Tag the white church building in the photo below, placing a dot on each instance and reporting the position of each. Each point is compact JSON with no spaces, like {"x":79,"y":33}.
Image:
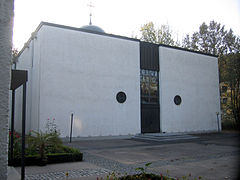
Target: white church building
{"x":115,"y":85}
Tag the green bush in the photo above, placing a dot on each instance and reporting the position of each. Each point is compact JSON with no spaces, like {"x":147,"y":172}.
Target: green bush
{"x":43,"y":143}
{"x":42,"y":148}
{"x":51,"y":158}
{"x":145,"y":177}
{"x":17,"y":146}
{"x":229,"y":125}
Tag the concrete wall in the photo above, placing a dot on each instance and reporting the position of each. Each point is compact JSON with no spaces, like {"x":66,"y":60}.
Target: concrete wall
{"x":82,"y":73}
{"x":195,"y":78}
{"x":6,"y":24}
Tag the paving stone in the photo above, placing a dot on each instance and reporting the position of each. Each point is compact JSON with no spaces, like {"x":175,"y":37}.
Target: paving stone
{"x":71,"y":174}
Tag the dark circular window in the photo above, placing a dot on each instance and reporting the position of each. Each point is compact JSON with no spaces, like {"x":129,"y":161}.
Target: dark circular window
{"x":177,"y":100}
{"x":121,"y":97}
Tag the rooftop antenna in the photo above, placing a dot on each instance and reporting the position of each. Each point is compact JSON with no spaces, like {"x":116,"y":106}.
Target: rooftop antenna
{"x":90,"y":6}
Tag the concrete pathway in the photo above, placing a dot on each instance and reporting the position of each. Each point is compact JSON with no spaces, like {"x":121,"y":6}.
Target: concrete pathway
{"x":211,"y":156}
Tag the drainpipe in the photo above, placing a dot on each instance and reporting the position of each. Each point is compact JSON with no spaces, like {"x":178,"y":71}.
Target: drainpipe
{"x":217,"y":113}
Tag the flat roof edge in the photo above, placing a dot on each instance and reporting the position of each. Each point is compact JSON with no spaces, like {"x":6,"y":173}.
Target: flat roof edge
{"x":85,"y":30}
{"x":189,"y":50}
{"x":26,"y":45}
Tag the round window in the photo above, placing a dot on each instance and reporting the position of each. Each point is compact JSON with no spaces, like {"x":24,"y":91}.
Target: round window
{"x":121,"y":97}
{"x":177,"y":100}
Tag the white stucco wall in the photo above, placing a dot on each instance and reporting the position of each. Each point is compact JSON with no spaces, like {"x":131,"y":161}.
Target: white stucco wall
{"x":29,"y":60}
{"x":82,"y":73}
{"x":195,"y":78}
{"x":24,"y":63}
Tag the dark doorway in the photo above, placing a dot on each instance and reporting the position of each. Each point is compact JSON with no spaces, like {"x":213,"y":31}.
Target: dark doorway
{"x":150,"y":120}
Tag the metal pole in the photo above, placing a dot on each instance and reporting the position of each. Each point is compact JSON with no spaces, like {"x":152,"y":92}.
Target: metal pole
{"x":23,"y":132}
{"x":218,"y":121}
{"x":71,"y":128}
{"x":12,"y":126}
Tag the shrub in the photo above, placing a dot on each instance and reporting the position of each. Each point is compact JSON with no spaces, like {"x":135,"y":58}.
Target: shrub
{"x":43,"y":143}
{"x":51,"y":158}
{"x":17,"y":144}
{"x":229,"y":125}
{"x":42,"y":148}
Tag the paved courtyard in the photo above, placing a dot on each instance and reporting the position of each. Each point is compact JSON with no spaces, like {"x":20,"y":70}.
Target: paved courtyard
{"x":211,"y":156}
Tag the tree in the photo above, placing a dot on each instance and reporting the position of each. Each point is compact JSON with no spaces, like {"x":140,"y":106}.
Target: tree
{"x":162,"y":35}
{"x":149,"y":33}
{"x":165,"y":35}
{"x":231,"y":75}
{"x":212,"y":39}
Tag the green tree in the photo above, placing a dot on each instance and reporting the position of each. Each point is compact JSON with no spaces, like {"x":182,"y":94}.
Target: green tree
{"x":149,"y":33}
{"x":231,"y":76}
{"x":212,"y":39}
{"x":162,"y":35}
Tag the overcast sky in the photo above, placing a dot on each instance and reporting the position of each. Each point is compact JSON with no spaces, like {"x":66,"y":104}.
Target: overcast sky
{"x":124,"y":17}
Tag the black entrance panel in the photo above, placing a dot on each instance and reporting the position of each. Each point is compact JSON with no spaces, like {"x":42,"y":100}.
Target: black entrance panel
{"x":149,"y":56}
{"x":150,"y":120}
{"x":149,"y":82}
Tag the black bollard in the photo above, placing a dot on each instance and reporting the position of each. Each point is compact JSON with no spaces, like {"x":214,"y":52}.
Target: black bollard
{"x":71,"y":128}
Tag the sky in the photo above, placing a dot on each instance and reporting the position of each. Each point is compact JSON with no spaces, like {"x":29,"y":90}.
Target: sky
{"x":124,"y":17}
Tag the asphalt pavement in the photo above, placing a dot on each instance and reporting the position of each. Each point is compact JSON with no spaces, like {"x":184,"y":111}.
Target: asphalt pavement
{"x":212,"y":156}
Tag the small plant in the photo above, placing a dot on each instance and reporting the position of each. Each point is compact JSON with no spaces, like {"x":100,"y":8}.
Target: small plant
{"x":17,"y":140}
{"x":66,"y":174}
{"x":51,"y":126}
{"x":113,"y":176}
{"x":143,"y":170}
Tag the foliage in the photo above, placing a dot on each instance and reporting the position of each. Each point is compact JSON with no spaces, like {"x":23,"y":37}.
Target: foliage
{"x":150,"y":176}
{"x":229,"y":125}
{"x":43,"y":143}
{"x":75,"y":155}
{"x":42,"y":148}
{"x":162,"y":35}
{"x":143,"y":170}
{"x":147,"y":176}
{"x":17,"y":148}
{"x":230,"y":74}
{"x":212,"y":39}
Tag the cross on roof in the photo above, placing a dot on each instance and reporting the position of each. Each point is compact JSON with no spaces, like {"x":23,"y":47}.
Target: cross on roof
{"x":90,"y":6}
